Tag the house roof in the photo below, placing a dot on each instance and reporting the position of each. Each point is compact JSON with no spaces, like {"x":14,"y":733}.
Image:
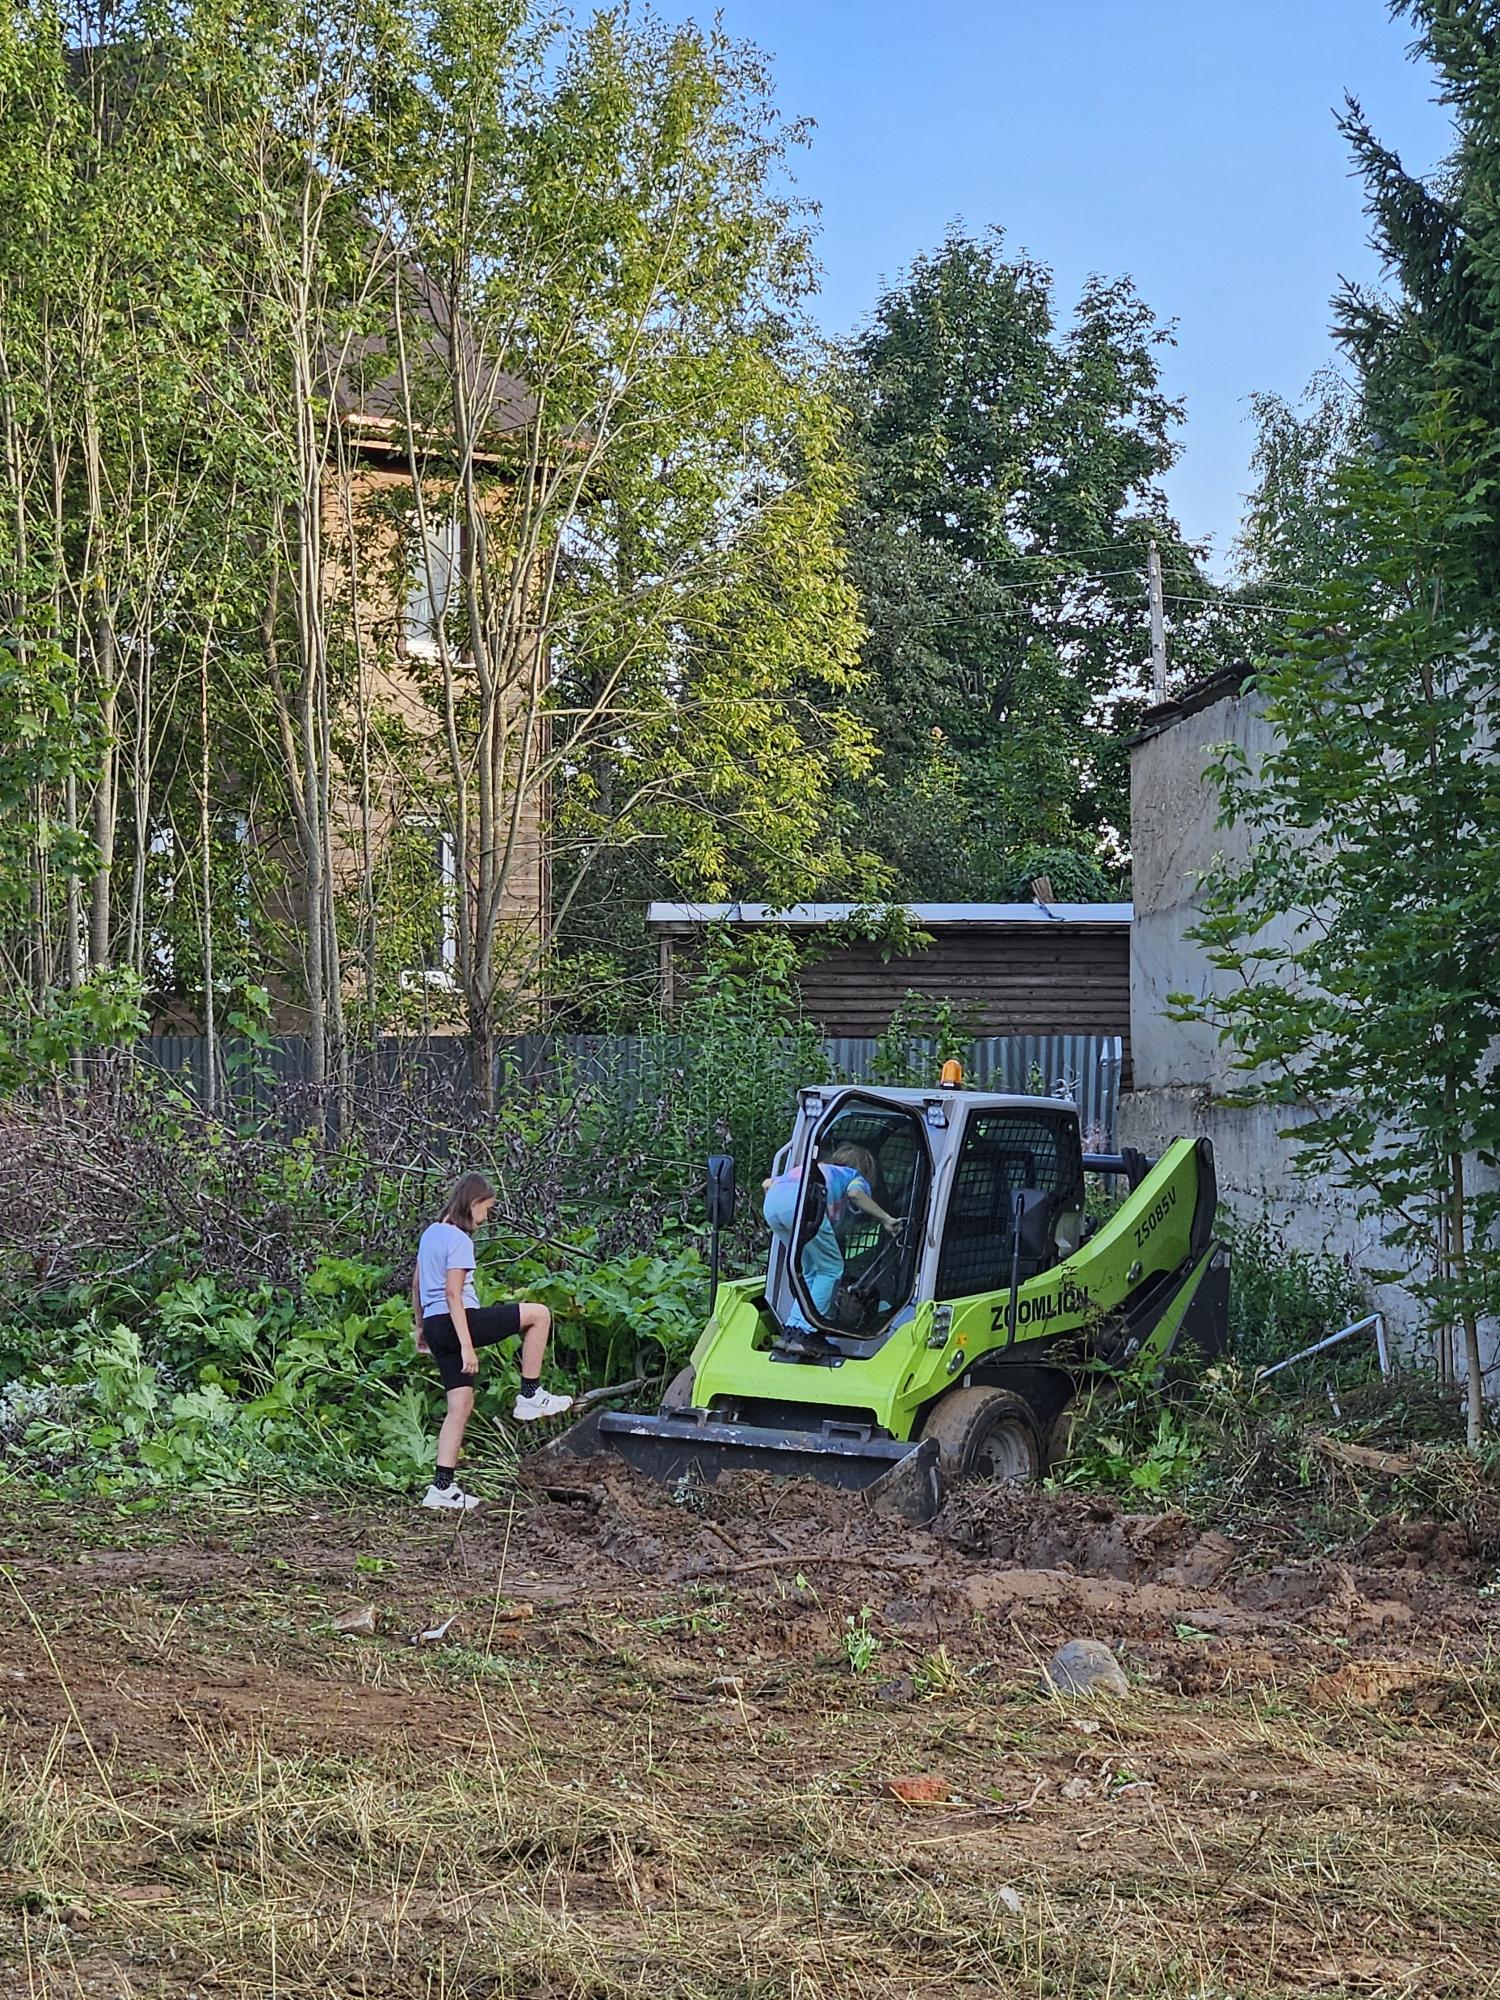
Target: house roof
{"x":370,"y":396}
{"x":929,"y":916}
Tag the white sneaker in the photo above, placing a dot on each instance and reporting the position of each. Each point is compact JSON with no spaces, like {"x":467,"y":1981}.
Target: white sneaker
{"x":542,"y":1404}
{"x":449,"y":1499}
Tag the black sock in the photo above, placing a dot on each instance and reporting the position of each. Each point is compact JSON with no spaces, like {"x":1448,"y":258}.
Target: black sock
{"x":442,"y":1479}
{"x":530,"y":1384}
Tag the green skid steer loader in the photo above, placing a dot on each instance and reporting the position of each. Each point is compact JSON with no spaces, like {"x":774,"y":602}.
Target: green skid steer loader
{"x":954,"y":1346}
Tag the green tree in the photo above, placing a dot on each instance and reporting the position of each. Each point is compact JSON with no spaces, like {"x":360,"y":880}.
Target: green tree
{"x":653,"y":633}
{"x":1292,"y":536}
{"x":1009,"y":483}
{"x":47,"y":752}
{"x":1434,"y":328}
{"x":124,"y":546}
{"x":294,"y":297}
{"x":1360,"y":938}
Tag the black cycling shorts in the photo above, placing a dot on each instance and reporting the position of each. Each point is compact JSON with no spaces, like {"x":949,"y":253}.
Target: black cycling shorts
{"x":487,"y":1324}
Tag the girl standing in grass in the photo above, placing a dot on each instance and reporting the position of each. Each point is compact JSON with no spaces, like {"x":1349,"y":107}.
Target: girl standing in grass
{"x":452,"y":1326}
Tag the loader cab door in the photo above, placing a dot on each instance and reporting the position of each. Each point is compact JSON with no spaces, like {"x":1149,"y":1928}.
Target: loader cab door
{"x":1005,"y":1152}
{"x":850,"y":1274}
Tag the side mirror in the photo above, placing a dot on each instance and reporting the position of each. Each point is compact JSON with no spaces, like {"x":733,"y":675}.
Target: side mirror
{"x":718,"y":1192}
{"x":1033,"y":1222}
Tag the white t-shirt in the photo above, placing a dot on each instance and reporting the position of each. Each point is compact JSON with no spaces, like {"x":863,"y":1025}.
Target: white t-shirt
{"x":444,"y":1247}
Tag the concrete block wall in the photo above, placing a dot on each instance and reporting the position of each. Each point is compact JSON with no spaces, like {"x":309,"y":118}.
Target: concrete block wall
{"x":1181,"y":1073}
{"x":1258,"y":1181}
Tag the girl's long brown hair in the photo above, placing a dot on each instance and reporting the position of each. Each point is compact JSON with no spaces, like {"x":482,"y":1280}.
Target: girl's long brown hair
{"x":859,"y":1157}
{"x":467,"y":1190}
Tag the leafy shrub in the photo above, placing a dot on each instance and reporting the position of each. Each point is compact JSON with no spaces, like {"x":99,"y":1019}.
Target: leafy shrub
{"x":723,"y":1076}
{"x":1132,"y":1444}
{"x":210,"y":1386}
{"x":1075,"y":877}
{"x":1139,"y":1437}
{"x":923,"y":1034}
{"x":1281,"y":1299}
{"x":634,"y":1316}
{"x":195,"y":1299}
{"x":316,"y":1410}
{"x":37,"y":1047}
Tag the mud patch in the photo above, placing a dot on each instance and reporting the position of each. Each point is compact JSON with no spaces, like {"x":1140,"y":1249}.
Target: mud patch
{"x":1088,"y":1535}
{"x":1465,"y":1547}
{"x":657,"y":1771}
{"x":1004,"y":1566}
{"x":1404,"y":1690}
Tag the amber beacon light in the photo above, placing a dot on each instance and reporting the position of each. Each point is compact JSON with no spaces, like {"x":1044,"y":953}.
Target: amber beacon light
{"x":952,"y":1077}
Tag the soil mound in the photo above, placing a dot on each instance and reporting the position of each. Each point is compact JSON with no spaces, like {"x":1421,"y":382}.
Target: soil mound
{"x":1059,"y":1563}
{"x":1468,"y":1545}
{"x":1087,"y":1535}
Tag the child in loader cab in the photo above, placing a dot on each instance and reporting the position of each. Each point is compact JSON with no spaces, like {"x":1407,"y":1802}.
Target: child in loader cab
{"x":452,"y":1326}
{"x":847,"y":1175}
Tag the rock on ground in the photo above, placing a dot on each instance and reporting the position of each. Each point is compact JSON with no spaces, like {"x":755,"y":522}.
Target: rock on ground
{"x":1086,"y":1666}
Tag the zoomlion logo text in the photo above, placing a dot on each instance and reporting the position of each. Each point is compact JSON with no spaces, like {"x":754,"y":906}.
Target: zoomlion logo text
{"x":1065,"y":1304}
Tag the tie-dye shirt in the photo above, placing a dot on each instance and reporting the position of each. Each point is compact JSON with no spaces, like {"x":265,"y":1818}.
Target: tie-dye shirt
{"x":841,"y":1182}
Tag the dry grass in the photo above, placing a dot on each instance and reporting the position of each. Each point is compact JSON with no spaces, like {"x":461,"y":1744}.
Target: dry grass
{"x":641,"y":1862}
{"x":216,"y":1796}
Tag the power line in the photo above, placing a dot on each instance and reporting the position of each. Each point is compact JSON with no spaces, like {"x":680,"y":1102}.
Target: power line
{"x":1123,"y":547}
{"x":897,"y":626}
{"x":1226,"y":603}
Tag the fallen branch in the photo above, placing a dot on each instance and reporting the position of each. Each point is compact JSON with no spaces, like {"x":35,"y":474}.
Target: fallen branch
{"x":802,"y":1561}
{"x":593,"y":1396}
{"x":1363,"y":1458}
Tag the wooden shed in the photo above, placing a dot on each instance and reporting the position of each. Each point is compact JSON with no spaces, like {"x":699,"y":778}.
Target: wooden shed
{"x":1014,"y":968}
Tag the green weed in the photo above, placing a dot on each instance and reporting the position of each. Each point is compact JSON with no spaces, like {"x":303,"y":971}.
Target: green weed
{"x":937,"y":1676}
{"x":1131,"y":1444}
{"x":1282,"y":1300}
{"x":861,"y":1646}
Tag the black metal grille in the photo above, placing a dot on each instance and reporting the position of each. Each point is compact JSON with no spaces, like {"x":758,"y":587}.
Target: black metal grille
{"x":1003,"y":1151}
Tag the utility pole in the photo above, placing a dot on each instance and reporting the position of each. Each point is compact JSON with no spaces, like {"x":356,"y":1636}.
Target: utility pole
{"x":1158,"y":627}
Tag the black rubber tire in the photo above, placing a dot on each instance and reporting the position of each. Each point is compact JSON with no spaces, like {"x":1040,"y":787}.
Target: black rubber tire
{"x":986,"y":1434}
{"x":679,"y":1391}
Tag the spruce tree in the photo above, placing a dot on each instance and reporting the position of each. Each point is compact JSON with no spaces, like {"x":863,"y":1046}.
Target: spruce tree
{"x":1434,"y":330}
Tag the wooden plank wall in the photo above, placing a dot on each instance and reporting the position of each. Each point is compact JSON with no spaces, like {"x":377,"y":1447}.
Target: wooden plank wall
{"x":1026,"y":980}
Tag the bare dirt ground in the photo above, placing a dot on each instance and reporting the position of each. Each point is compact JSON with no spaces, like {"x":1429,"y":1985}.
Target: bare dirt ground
{"x":672,"y":1750}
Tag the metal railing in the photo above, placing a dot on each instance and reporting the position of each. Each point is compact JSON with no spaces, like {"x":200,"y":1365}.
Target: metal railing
{"x":1371,"y":1323}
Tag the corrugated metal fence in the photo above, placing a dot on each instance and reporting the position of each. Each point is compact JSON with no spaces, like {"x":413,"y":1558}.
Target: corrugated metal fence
{"x":1084,"y":1068}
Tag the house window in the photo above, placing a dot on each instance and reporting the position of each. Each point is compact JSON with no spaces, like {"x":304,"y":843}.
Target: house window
{"x":174,"y":885}
{"x":433,"y":585}
{"x":161,"y":893}
{"x":433,"y":861}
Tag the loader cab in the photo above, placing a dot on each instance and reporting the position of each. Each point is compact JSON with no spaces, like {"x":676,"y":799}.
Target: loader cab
{"x":986,"y":1188}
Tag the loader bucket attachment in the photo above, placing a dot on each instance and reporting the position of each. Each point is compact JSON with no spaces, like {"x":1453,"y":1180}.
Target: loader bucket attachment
{"x":692,"y":1445}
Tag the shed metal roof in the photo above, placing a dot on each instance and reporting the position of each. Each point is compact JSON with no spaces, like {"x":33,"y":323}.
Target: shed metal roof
{"x":930,"y":916}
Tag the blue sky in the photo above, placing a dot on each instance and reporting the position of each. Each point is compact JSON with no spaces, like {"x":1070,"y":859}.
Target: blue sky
{"x":1190,"y":143}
